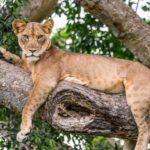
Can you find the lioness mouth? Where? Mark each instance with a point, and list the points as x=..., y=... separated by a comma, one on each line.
x=32, y=56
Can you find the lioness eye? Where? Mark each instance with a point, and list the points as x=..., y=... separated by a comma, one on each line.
x=25, y=37
x=40, y=36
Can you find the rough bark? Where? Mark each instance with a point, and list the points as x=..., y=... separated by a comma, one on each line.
x=70, y=107
x=37, y=10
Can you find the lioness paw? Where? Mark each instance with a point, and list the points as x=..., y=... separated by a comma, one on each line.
x=21, y=136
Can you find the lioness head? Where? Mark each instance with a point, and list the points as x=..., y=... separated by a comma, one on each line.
x=33, y=38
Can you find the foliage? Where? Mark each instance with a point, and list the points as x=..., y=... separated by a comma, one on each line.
x=86, y=34
x=9, y=10
x=101, y=143
x=146, y=7
x=9, y=125
x=83, y=33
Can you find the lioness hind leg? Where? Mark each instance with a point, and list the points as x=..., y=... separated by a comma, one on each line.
x=11, y=57
x=140, y=110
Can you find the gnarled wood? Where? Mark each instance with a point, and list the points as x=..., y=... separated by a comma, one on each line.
x=71, y=107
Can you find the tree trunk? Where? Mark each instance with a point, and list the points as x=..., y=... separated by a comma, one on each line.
x=71, y=107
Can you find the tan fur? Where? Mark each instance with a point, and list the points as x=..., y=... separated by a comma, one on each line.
x=50, y=65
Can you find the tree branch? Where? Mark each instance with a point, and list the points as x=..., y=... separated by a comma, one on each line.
x=125, y=24
x=37, y=10
x=71, y=107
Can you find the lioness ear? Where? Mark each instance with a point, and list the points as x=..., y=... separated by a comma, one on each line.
x=18, y=25
x=48, y=25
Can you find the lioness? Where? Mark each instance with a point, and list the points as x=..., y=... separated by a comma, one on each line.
x=49, y=65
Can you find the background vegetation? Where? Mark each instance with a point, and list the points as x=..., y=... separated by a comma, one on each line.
x=83, y=33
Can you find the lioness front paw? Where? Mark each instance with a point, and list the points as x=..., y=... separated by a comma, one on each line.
x=21, y=136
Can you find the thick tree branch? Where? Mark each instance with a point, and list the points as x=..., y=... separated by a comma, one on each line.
x=71, y=107
x=37, y=10
x=126, y=25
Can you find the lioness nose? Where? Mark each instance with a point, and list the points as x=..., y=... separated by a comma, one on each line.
x=32, y=50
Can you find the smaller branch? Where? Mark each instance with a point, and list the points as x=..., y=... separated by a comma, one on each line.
x=137, y=5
